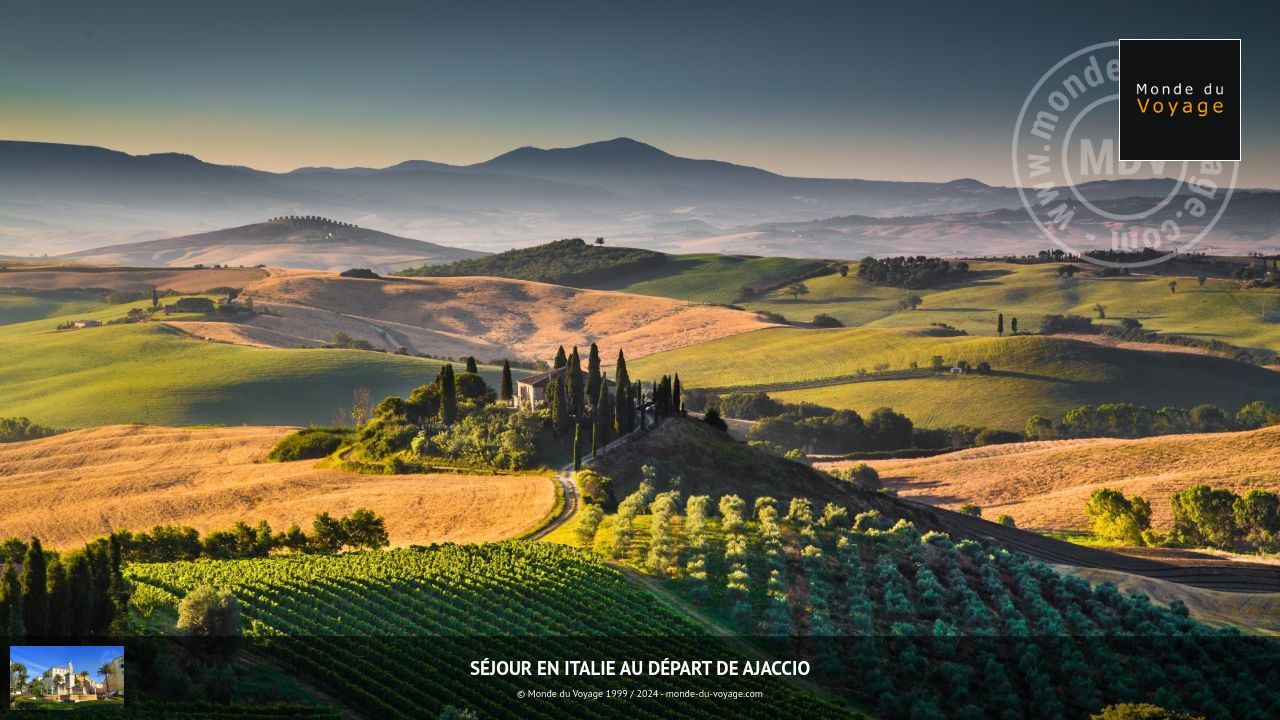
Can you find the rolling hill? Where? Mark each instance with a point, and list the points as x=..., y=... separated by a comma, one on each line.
x=1031, y=375
x=1044, y=485
x=134, y=477
x=487, y=317
x=152, y=373
x=311, y=244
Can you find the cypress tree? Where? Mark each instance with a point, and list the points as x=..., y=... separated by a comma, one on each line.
x=80, y=589
x=505, y=390
x=561, y=361
x=35, y=591
x=593, y=373
x=558, y=405
x=577, y=446
x=637, y=403
x=577, y=390
x=677, y=400
x=155, y=298
x=604, y=419
x=59, y=598
x=644, y=417
x=471, y=365
x=1000, y=324
x=11, y=601
x=623, y=410
x=448, y=395
x=104, y=607
x=1013, y=326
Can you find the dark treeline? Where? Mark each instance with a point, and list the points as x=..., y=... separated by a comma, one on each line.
x=362, y=529
x=1126, y=420
x=563, y=262
x=17, y=429
x=44, y=593
x=813, y=428
x=909, y=272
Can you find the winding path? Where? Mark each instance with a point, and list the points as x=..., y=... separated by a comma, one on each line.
x=565, y=478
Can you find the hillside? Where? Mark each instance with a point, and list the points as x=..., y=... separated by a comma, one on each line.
x=489, y=318
x=1044, y=485
x=709, y=462
x=1220, y=308
x=155, y=374
x=1031, y=374
x=311, y=244
x=134, y=477
x=564, y=262
x=441, y=609
x=712, y=278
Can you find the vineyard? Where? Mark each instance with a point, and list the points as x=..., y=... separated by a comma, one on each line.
x=917, y=626
x=394, y=633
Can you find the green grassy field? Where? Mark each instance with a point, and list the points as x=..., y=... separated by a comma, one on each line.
x=1031, y=374
x=23, y=308
x=1248, y=318
x=710, y=278
x=150, y=373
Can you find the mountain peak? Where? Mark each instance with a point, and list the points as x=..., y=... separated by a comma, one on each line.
x=621, y=148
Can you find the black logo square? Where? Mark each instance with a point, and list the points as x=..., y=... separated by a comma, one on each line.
x=1180, y=100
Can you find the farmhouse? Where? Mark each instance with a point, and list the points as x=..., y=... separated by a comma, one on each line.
x=531, y=390
x=88, y=323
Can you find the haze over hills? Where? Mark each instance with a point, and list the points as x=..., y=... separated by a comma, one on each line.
x=67, y=198
x=315, y=244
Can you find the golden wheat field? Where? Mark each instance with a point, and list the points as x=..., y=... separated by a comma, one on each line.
x=1044, y=485
x=481, y=316
x=80, y=485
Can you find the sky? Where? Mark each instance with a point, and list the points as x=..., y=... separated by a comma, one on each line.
x=86, y=658
x=898, y=91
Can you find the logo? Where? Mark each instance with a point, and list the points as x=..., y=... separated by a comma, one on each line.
x=1088, y=202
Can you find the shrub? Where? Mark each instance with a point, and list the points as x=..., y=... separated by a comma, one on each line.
x=823, y=320
x=970, y=509
x=992, y=436
x=210, y=613
x=1006, y=520
x=309, y=444
x=1115, y=517
x=595, y=489
x=712, y=418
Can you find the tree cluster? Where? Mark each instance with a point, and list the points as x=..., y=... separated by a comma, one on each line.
x=362, y=529
x=1126, y=420
x=910, y=272
x=562, y=262
x=44, y=593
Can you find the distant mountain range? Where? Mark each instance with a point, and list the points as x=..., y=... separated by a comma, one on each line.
x=315, y=244
x=64, y=198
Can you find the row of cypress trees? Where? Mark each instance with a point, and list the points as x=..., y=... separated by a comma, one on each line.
x=45, y=594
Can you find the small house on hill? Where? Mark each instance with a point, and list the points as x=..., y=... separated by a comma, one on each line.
x=531, y=390
x=88, y=323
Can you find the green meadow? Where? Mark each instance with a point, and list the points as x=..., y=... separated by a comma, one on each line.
x=151, y=373
x=853, y=367
x=1248, y=318
x=711, y=278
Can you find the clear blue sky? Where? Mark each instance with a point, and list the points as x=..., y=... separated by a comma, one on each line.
x=895, y=90
x=85, y=658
